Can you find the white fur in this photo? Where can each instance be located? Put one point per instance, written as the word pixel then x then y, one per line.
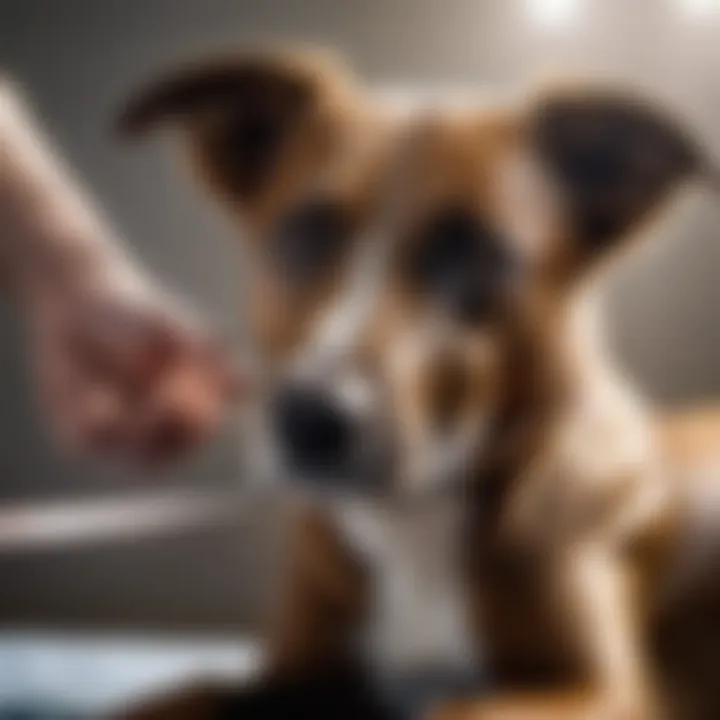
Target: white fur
pixel 340 328
pixel 420 616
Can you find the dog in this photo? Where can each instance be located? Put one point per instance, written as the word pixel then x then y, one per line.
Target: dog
pixel 490 521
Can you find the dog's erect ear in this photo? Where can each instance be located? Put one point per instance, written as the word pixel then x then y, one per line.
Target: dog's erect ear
pixel 613 157
pixel 241 112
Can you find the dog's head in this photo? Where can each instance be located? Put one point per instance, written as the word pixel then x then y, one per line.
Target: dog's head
pixel 398 254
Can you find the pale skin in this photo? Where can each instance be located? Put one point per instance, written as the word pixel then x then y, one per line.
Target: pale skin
pixel 120 368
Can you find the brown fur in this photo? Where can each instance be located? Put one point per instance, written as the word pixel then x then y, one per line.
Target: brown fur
pixel 567 563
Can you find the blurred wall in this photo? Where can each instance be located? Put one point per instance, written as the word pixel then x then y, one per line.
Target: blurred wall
pixel 79 58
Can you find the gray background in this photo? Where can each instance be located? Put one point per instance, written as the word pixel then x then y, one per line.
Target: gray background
pixel 79 59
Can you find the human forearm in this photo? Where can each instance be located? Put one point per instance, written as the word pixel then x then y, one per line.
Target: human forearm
pixel 51 232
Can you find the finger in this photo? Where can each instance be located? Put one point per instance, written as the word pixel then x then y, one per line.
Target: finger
pixel 232 380
pixel 92 422
pixel 83 409
pixel 130 346
pixel 100 420
pixel 184 408
pixel 58 388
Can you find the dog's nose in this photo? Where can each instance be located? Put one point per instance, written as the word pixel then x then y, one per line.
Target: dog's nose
pixel 315 432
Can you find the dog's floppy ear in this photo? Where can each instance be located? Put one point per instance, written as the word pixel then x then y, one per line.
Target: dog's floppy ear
pixel 613 156
pixel 241 112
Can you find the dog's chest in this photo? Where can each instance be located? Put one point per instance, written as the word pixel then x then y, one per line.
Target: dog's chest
pixel 420 614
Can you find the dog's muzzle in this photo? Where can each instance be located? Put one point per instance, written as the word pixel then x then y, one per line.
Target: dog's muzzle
pixel 328 434
pixel 315 433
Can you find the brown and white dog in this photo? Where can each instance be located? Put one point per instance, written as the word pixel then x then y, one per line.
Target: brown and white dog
pixel 484 494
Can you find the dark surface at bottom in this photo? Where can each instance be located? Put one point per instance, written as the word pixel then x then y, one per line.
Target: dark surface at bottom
pixel 352 697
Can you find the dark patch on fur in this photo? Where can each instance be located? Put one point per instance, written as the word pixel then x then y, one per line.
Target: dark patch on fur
pixel 462 264
pixel 243 109
pixel 615 158
pixel 308 240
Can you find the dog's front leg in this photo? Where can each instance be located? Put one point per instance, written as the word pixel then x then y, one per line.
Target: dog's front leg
pixel 598 600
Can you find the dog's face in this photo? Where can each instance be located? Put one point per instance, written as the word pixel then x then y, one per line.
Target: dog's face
pixel 395 255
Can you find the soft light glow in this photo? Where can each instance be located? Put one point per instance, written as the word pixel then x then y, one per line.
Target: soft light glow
pixel 553 13
pixel 700 7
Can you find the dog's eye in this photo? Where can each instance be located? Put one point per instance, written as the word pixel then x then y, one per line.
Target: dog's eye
pixel 308 240
pixel 462 264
